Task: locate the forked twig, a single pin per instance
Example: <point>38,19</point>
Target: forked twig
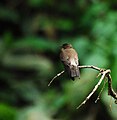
<point>95,88</point>
<point>104,73</point>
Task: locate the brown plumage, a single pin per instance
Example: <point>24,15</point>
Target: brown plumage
<point>69,58</point>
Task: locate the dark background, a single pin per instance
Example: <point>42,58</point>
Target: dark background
<point>31,33</point>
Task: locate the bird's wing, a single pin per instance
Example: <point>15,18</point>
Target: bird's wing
<point>64,56</point>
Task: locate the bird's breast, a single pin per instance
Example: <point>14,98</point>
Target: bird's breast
<point>73,62</point>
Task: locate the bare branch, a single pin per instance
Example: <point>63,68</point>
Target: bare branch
<point>88,66</point>
<point>104,73</point>
<point>95,88</point>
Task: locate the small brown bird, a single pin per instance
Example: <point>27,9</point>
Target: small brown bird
<point>69,57</point>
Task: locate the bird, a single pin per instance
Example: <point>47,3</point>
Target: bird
<point>69,58</point>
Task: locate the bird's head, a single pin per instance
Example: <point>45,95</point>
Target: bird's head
<point>66,46</point>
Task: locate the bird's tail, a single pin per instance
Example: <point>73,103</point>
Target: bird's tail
<point>74,72</point>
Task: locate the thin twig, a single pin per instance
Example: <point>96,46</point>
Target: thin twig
<point>101,91</point>
<point>56,77</point>
<point>111,92</point>
<point>90,66</point>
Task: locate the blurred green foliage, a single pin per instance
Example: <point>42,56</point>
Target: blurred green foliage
<point>7,112</point>
<point>31,34</point>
